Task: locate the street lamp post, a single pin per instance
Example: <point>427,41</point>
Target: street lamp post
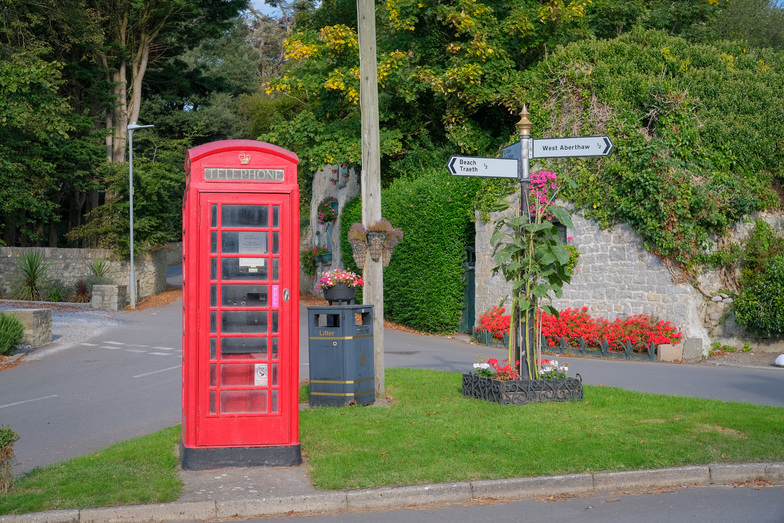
<point>132,277</point>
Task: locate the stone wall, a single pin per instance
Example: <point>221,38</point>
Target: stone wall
<point>71,265</point>
<point>615,277</point>
<point>343,184</point>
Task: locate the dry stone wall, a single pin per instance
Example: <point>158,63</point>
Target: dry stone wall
<point>68,266</point>
<point>615,277</point>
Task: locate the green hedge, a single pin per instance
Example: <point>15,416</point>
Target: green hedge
<point>760,306</point>
<point>424,283</point>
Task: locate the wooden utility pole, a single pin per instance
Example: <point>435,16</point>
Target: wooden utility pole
<point>373,273</point>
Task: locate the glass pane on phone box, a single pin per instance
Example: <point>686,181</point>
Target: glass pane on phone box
<point>243,321</point>
<point>240,401</point>
<point>243,269</point>
<point>245,215</point>
<point>244,242</point>
<point>244,348</point>
<point>244,295</point>
<point>237,375</point>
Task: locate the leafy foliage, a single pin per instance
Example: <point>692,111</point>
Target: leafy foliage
<point>11,333</point>
<point>680,169</point>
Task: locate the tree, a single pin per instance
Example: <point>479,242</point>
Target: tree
<point>141,33</point>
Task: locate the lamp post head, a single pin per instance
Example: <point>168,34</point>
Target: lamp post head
<point>133,126</point>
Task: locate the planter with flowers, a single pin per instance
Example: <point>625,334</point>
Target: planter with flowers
<point>500,383</point>
<point>312,256</point>
<point>339,286</point>
<point>327,210</point>
<point>493,327</point>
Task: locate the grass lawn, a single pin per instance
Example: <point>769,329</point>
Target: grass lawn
<point>432,434</point>
<point>138,471</point>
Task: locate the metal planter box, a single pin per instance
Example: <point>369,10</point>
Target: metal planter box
<point>520,392</point>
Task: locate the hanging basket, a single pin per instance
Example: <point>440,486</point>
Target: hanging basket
<point>358,248</point>
<point>386,257</point>
<point>376,244</point>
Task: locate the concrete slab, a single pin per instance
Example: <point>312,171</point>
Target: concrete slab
<point>523,488</point>
<point>670,477</point>
<point>328,502</point>
<point>200,511</point>
<point>724,473</point>
<point>52,516</point>
<point>402,497</point>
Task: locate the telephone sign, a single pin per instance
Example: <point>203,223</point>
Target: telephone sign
<point>240,329</point>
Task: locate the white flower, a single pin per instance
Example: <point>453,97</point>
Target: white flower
<point>481,365</point>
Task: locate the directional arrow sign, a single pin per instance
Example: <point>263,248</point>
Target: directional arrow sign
<point>513,151</point>
<point>567,147</point>
<point>484,167</point>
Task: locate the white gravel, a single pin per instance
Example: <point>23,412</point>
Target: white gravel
<point>71,324</point>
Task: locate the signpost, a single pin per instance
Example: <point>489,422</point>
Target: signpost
<point>515,163</point>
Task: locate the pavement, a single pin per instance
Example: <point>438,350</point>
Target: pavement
<point>264,492</point>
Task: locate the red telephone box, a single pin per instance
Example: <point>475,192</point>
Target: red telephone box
<point>240,340</point>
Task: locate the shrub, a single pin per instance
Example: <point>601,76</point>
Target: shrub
<point>11,333</point>
<point>424,282</point>
<point>760,306</point>
<point>7,439</point>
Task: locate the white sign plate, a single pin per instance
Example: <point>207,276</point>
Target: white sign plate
<point>484,167</point>
<point>567,147</point>
<point>260,376</point>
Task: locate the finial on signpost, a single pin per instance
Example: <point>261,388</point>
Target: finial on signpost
<point>524,125</point>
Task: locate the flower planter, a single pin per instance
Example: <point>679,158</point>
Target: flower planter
<point>341,294</point>
<point>326,258</point>
<point>520,392</point>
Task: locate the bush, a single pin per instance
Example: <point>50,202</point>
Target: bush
<point>7,439</point>
<point>760,306</point>
<point>11,333</point>
<point>424,283</point>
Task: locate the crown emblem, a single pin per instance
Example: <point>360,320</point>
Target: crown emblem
<point>244,158</point>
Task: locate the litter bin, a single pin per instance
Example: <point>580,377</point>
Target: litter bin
<point>340,348</point>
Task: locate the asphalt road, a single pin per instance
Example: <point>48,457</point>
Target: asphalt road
<point>126,382</point>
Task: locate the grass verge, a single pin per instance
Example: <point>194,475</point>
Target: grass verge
<point>138,471</point>
<point>433,434</point>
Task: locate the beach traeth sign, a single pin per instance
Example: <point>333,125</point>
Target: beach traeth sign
<point>484,167</point>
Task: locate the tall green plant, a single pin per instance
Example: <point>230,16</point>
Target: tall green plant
<point>530,255</point>
<point>30,276</point>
